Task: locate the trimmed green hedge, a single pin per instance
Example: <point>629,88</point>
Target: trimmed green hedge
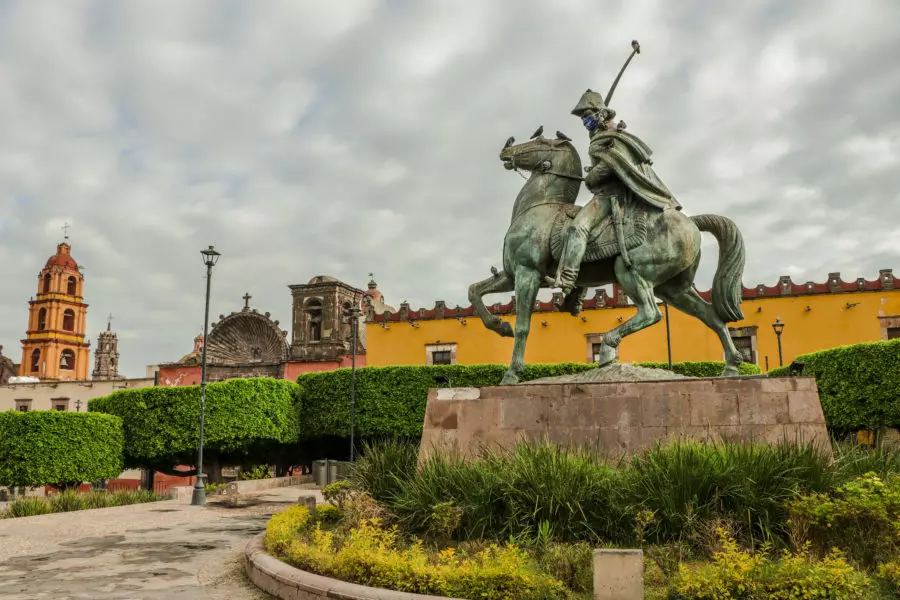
<point>859,385</point>
<point>53,447</point>
<point>161,424</point>
<point>390,401</point>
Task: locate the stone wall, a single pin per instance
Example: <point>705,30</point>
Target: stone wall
<point>623,418</point>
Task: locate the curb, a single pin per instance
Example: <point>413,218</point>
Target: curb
<point>288,583</point>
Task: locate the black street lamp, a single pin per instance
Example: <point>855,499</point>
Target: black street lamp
<point>210,258</point>
<point>778,327</point>
<point>353,315</point>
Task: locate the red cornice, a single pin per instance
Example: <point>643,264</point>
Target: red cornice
<point>785,287</point>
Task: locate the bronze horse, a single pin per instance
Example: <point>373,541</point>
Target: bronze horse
<point>664,263</point>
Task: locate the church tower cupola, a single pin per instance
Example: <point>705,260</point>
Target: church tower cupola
<point>54,347</point>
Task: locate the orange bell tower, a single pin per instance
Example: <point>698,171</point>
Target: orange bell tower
<point>54,347</point>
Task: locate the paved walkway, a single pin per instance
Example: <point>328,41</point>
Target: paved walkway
<point>157,551</point>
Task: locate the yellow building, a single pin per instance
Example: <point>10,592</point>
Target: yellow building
<point>815,316</point>
<point>54,348</point>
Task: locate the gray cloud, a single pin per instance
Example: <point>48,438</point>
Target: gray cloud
<point>343,138</point>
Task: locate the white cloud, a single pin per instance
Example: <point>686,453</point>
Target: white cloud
<point>341,138</point>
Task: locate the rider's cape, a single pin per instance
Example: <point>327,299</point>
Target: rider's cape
<point>629,158</point>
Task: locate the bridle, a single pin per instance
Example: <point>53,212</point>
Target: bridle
<point>545,167</point>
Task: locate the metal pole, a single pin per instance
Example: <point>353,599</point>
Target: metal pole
<point>780,360</point>
<point>199,496</point>
<point>668,335</point>
<point>353,329</point>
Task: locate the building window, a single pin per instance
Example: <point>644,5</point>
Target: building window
<point>61,404</point>
<point>67,360</point>
<point>744,339</point>
<point>893,333</point>
<point>47,283</point>
<point>69,320</point>
<point>35,360</point>
<point>70,286</point>
<point>23,405</point>
<point>440,354</point>
<point>42,319</point>
<point>594,342</point>
<point>314,310</point>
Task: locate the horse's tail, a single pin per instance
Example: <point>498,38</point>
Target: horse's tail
<point>727,282</point>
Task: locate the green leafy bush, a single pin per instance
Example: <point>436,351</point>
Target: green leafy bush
<point>857,384</point>
<point>862,517</point>
<point>243,416</point>
<point>390,401</point>
<point>667,493</point>
<point>338,492</point>
<point>383,467</point>
<point>377,556</point>
<point>739,574</point>
<point>58,448</point>
<point>328,513</point>
<point>257,472</point>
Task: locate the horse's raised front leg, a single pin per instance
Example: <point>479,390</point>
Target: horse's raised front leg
<point>641,292</point>
<point>528,282</point>
<point>688,301</point>
<point>492,285</point>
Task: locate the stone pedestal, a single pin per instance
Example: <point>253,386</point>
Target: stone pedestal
<point>625,417</point>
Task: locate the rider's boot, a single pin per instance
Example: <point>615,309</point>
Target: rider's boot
<point>570,261</point>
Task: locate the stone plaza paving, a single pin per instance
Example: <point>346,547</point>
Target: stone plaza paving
<point>157,551</point>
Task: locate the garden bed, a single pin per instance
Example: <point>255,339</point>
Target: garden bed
<point>69,501</point>
<point>714,521</point>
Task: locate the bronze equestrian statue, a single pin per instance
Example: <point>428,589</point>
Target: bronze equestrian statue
<point>632,232</point>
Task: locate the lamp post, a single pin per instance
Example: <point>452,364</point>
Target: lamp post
<point>778,327</point>
<point>353,315</point>
<point>210,258</point>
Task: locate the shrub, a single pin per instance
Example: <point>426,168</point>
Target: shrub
<point>384,467</point>
<point>390,401</point>
<point>257,472</point>
<point>52,447</point>
<point>668,493</point>
<point>69,500</point>
<point>328,513</point>
<point>861,517</point>
<point>243,416</point>
<point>375,556</point>
<point>857,384</point>
<point>688,485</point>
<point>338,492</point>
<point>734,573</point>
<point>889,576</point>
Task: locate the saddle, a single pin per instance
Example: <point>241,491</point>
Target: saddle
<point>601,241</point>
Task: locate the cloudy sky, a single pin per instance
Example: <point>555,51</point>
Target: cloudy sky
<point>343,138</point>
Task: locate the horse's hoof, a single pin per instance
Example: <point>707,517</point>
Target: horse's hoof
<point>730,371</point>
<point>506,330</point>
<point>509,379</point>
<point>607,355</point>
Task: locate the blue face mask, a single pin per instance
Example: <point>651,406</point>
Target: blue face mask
<point>590,122</point>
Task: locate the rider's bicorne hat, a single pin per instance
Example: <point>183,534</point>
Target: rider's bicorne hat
<point>592,102</point>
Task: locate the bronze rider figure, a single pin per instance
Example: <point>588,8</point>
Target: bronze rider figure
<point>620,169</point>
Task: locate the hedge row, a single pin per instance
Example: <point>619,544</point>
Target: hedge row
<point>53,447</point>
<point>390,401</point>
<point>161,423</point>
<point>859,385</point>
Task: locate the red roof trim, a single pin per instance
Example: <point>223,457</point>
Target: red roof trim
<point>785,287</point>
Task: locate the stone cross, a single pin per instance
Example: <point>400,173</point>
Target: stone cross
<point>65,229</point>
<point>109,322</point>
<point>246,298</point>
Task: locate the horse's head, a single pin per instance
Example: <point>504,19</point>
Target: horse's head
<point>540,154</point>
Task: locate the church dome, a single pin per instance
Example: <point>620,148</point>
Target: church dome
<point>322,279</point>
<point>62,258</point>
